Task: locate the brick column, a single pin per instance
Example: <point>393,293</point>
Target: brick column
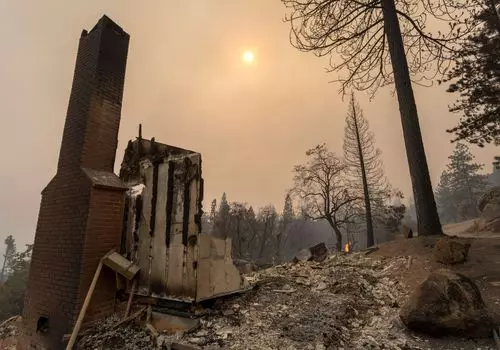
<point>81,211</point>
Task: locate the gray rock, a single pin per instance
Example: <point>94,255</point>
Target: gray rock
<point>448,303</point>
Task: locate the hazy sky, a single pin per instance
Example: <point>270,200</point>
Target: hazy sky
<point>187,85</point>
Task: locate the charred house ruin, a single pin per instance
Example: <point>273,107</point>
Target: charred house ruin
<point>151,214</point>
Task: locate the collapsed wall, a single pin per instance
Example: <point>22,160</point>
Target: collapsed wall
<point>162,231</point>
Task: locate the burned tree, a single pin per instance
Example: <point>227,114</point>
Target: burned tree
<point>364,164</point>
<point>322,186</point>
<point>268,219</point>
<point>378,43</point>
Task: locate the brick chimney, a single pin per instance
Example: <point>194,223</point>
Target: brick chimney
<point>81,211</point>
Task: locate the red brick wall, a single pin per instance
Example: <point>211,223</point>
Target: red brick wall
<point>56,259</point>
<point>104,229</point>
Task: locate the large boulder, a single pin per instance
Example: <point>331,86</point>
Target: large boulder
<point>451,250</point>
<point>489,206</point>
<point>448,303</point>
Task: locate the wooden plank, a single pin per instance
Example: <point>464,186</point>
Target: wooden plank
<point>121,265</point>
<point>135,315</point>
<point>130,296</point>
<point>159,246</point>
<point>144,246</point>
<point>83,310</point>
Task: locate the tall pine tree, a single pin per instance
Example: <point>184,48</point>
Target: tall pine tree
<point>288,214</point>
<point>445,192</point>
<point>222,218</point>
<point>364,164</point>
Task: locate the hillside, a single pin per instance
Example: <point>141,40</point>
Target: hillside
<point>349,301</point>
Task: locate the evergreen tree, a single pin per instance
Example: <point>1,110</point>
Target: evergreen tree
<point>223,206</point>
<point>222,218</point>
<point>13,291</point>
<point>447,206</point>
<point>10,251</point>
<point>267,218</point>
<point>288,214</point>
<point>213,211</point>
<point>461,185</point>
<point>476,78</point>
<point>364,164</point>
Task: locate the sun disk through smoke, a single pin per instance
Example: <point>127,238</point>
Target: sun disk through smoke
<point>248,56</point>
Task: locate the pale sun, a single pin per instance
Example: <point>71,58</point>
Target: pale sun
<point>248,57</point>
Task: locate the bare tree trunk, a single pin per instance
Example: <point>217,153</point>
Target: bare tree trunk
<point>3,267</point>
<point>427,216</point>
<point>338,234</point>
<point>368,207</point>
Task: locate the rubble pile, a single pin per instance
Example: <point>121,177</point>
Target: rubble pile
<point>346,301</point>
<point>104,335</point>
<point>10,327</point>
<point>9,331</point>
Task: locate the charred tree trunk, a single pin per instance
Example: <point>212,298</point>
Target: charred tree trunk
<point>366,193</point>
<point>427,217</point>
<point>338,234</point>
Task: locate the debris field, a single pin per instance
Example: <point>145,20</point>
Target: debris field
<point>347,301</point>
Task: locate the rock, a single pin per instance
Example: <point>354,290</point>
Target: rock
<point>449,250</point>
<point>320,286</point>
<point>489,206</point>
<point>319,252</point>
<point>447,303</point>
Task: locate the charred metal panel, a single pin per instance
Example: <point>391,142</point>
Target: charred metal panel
<point>163,225</point>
